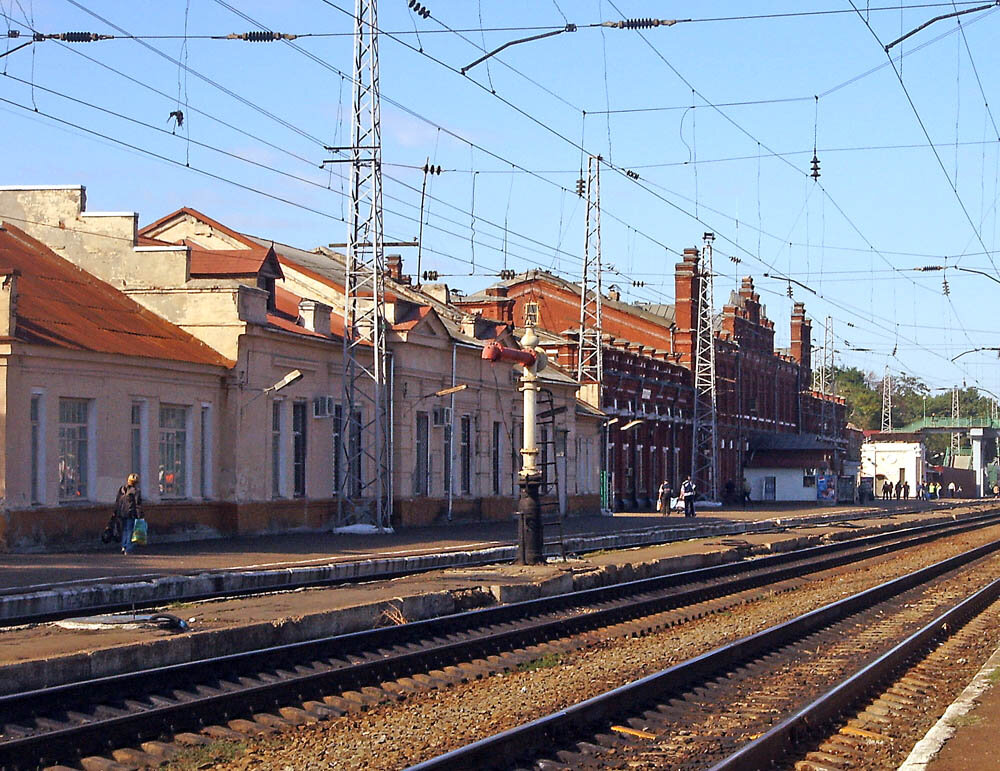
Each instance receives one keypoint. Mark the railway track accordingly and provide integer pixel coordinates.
(757, 702)
(67, 723)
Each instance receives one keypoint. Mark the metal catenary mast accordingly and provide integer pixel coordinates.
(823, 379)
(887, 400)
(590, 361)
(365, 490)
(956, 438)
(704, 456)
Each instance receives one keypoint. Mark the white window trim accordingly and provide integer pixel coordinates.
(143, 469)
(206, 474)
(282, 448)
(42, 446)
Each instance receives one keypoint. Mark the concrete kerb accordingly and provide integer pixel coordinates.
(184, 647)
(181, 588)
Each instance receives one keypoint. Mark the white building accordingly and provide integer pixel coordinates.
(896, 458)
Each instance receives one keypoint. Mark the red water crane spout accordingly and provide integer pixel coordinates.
(494, 352)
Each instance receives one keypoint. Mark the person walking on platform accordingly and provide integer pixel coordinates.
(128, 506)
(906, 491)
(951, 489)
(689, 492)
(663, 498)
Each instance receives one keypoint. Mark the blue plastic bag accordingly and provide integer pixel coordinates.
(139, 532)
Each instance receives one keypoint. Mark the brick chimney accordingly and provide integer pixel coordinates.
(394, 264)
(802, 341)
(686, 287)
(315, 316)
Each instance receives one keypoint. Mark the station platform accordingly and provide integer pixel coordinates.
(35, 571)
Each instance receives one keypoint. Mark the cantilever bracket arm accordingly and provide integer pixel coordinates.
(495, 51)
(940, 18)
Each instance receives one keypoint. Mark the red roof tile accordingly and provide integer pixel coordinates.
(413, 318)
(226, 262)
(63, 305)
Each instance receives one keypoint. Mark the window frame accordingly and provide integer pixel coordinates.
(465, 454)
(300, 447)
(182, 491)
(83, 449)
(36, 417)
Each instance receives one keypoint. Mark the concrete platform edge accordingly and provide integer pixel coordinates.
(180, 588)
(925, 751)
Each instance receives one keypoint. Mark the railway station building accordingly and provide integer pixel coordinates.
(227, 453)
(763, 394)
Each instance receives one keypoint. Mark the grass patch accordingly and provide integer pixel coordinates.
(993, 677)
(207, 755)
(547, 661)
(964, 720)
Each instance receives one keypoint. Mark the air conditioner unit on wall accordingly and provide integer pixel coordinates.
(442, 416)
(322, 406)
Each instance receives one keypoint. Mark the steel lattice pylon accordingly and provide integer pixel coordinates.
(705, 448)
(365, 487)
(956, 438)
(887, 400)
(823, 379)
(590, 361)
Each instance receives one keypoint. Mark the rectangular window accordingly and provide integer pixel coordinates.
(423, 454)
(497, 448)
(137, 438)
(338, 446)
(447, 458)
(299, 449)
(73, 449)
(465, 456)
(277, 441)
(206, 452)
(173, 451)
(36, 447)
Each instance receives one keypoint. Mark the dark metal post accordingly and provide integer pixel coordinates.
(531, 545)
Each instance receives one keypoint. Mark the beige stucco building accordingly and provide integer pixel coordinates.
(192, 409)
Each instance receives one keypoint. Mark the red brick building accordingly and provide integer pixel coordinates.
(648, 376)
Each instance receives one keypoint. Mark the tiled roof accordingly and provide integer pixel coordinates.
(413, 318)
(286, 315)
(62, 305)
(226, 262)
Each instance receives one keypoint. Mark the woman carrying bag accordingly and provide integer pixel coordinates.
(128, 504)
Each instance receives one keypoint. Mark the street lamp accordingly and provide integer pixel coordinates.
(290, 378)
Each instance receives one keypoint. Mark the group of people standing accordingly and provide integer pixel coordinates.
(925, 492)
(688, 494)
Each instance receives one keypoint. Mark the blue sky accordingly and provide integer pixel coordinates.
(884, 202)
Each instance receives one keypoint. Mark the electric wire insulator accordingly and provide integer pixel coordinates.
(422, 11)
(639, 23)
(580, 186)
(631, 174)
(13, 33)
(260, 36)
(430, 275)
(79, 37)
(430, 168)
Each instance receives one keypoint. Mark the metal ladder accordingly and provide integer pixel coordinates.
(548, 464)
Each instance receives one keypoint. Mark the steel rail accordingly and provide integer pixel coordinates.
(509, 747)
(671, 536)
(376, 660)
(784, 737)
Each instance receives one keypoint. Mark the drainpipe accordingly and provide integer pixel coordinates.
(451, 444)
